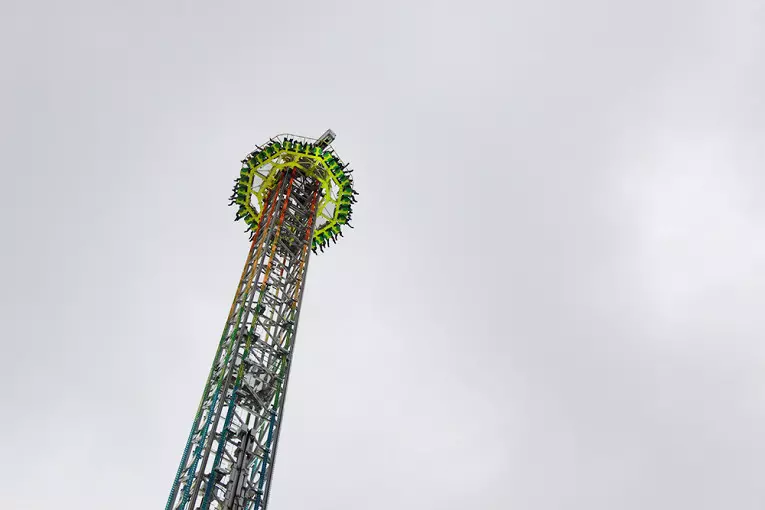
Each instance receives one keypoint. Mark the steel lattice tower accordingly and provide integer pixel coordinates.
(295, 195)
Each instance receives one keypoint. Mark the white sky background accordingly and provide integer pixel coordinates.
(552, 299)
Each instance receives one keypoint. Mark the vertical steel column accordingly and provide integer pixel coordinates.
(228, 459)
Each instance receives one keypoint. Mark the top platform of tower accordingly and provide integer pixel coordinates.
(316, 158)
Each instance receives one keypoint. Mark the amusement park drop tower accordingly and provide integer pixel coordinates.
(295, 196)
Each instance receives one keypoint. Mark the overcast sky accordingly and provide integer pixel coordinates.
(552, 299)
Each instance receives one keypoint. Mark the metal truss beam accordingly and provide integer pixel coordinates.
(228, 460)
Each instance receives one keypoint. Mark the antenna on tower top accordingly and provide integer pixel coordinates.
(326, 139)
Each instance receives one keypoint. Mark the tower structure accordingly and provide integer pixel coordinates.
(295, 195)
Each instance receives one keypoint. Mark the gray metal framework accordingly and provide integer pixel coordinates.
(228, 460)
